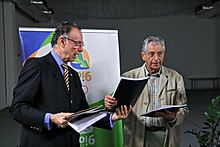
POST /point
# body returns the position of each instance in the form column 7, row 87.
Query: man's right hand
column 59, row 119
column 110, row 102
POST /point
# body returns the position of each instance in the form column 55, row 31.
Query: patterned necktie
column 66, row 75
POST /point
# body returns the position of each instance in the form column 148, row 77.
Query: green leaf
column 210, row 120
column 207, row 116
column 216, row 101
column 205, row 133
column 207, row 124
column 218, row 114
column 209, row 135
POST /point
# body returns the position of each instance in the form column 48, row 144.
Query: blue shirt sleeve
column 47, row 120
column 112, row 123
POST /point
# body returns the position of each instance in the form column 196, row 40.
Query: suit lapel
column 163, row 80
column 142, row 73
column 55, row 70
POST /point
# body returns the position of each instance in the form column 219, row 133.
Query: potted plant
column 209, row 135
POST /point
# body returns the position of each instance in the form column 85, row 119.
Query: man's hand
column 110, row 102
column 59, row 119
column 121, row 113
column 167, row 115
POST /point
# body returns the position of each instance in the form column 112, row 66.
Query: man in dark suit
column 42, row 98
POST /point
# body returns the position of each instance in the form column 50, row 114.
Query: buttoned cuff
column 112, row 123
column 47, row 121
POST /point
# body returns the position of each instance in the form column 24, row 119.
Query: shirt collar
column 57, row 58
column 154, row 75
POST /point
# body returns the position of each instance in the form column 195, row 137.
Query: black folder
column 128, row 90
column 163, row 109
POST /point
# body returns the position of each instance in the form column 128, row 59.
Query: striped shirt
column 153, row 100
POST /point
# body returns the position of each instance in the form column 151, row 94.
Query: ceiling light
column 37, row 2
column 207, row 7
column 48, row 11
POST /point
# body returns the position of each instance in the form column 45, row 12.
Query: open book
column 163, row 108
column 79, row 121
column 128, row 90
column 81, row 124
column 84, row 113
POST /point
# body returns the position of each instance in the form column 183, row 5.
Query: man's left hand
column 121, row 113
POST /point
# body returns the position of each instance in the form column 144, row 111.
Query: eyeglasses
column 77, row 43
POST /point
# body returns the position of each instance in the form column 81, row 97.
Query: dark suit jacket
column 41, row 89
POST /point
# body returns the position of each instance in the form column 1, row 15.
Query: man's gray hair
column 155, row 39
